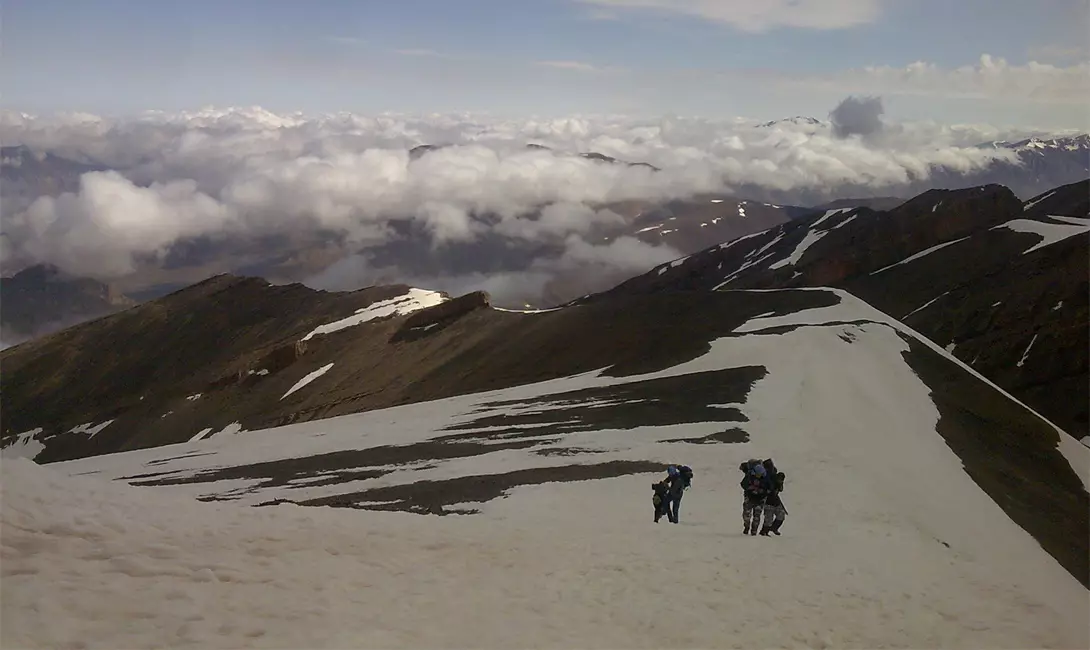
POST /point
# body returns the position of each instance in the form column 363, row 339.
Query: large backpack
column 686, row 475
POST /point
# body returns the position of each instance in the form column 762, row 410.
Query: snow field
column 888, row 541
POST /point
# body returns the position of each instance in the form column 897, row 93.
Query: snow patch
column 307, row 379
column 917, row 256
column 511, row 311
column 829, row 213
column 1025, row 355
column 929, row 303
column 91, row 430
column 413, row 300
column 845, row 222
column 201, row 434
column 1030, row 204
column 809, row 240
column 194, row 397
column 24, row 445
column 1050, row 233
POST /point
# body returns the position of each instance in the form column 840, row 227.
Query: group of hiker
column 761, row 485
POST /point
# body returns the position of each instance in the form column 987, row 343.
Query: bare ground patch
column 436, row 497
column 682, row 399
column 338, row 466
column 730, row 436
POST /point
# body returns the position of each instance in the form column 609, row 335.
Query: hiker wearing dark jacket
column 774, row 511
column 755, row 490
column 675, row 483
column 661, row 499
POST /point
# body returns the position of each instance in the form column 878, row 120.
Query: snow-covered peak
column 798, row 120
column 1036, row 144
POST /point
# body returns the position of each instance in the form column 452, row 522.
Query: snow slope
column 872, row 556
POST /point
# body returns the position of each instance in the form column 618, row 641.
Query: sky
column 1006, row 62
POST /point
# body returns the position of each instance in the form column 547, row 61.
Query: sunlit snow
column 1050, row 233
column 307, row 379
column 413, row 300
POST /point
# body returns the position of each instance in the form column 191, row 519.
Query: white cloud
column 417, row 52
column 577, row 66
column 527, row 220
column 990, row 78
column 756, row 16
column 1059, row 53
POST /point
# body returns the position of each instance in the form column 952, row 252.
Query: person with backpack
column 678, row 479
column 774, row 510
column 755, row 490
column 660, row 499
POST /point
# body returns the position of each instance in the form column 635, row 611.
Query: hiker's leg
column 747, row 513
column 676, row 505
column 780, row 514
column 769, row 512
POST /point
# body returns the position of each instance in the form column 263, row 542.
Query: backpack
column 686, row 475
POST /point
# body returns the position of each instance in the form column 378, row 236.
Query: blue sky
column 717, row 58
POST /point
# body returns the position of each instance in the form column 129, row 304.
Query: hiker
column 755, row 490
column 679, row 477
column 660, row 499
column 774, row 510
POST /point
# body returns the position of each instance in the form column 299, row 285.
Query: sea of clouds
column 159, row 179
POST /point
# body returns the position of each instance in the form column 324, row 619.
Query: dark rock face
column 962, row 267
column 447, row 311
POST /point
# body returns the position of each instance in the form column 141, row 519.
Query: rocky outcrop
column 425, row 320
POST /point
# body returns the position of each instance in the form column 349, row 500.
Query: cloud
column 577, row 66
column 485, row 209
column 1059, row 53
column 857, row 116
column 350, row 41
column 417, row 52
column 579, row 268
column 751, row 16
column 991, row 78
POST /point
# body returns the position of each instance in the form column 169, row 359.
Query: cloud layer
column 753, row 16
column 484, row 211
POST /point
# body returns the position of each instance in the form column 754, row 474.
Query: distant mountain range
column 43, row 299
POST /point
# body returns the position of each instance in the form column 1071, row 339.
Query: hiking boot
column 746, row 531
column 753, row 531
column 775, row 532
column 764, row 532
